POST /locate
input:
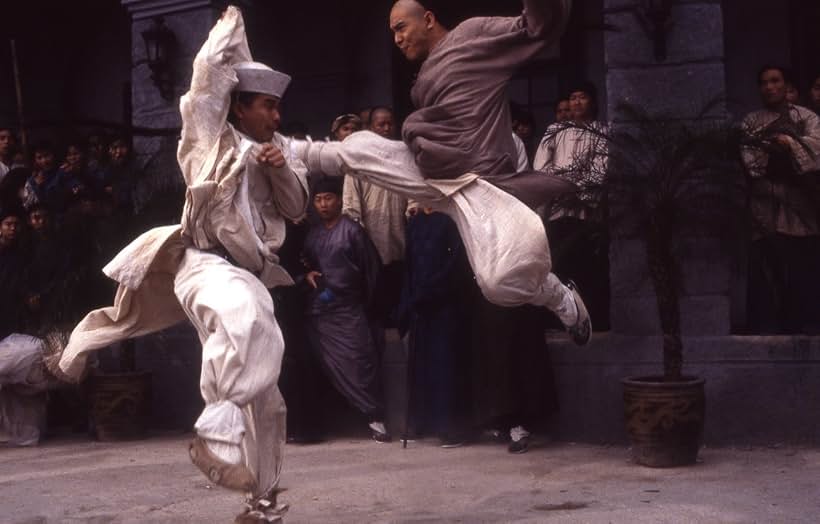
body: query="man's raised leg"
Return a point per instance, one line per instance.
(504, 239)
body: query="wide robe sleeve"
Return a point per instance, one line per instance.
(288, 184)
(204, 108)
(352, 199)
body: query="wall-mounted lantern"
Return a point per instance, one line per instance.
(159, 44)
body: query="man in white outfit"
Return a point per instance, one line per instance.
(458, 155)
(216, 268)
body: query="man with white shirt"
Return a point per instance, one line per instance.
(523, 163)
(216, 268)
(570, 150)
(382, 213)
(576, 151)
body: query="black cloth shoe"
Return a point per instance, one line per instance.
(519, 446)
(519, 440)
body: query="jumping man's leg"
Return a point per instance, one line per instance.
(504, 239)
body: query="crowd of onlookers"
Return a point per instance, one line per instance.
(474, 365)
(365, 260)
(64, 211)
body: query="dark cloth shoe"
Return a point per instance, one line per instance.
(519, 446)
(519, 440)
(231, 476)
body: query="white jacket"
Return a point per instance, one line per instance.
(231, 203)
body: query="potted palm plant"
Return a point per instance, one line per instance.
(119, 398)
(667, 181)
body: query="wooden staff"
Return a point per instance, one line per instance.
(19, 89)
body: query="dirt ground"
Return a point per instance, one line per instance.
(357, 480)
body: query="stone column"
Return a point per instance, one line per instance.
(173, 357)
(189, 21)
(692, 75)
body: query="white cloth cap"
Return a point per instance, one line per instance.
(255, 77)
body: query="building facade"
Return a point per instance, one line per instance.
(341, 57)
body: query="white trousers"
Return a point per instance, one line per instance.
(242, 348)
(22, 405)
(505, 240)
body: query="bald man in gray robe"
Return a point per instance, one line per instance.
(458, 155)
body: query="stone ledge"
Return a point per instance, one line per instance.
(759, 390)
(701, 315)
(610, 348)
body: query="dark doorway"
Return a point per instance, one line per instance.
(74, 61)
(805, 22)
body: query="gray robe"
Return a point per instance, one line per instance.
(463, 123)
(338, 326)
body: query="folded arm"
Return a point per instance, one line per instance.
(290, 191)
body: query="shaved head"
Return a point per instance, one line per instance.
(416, 30)
(410, 7)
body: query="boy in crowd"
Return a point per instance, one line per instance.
(344, 273)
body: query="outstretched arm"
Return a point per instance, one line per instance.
(204, 108)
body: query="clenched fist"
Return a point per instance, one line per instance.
(272, 156)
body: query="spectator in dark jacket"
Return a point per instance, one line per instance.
(12, 272)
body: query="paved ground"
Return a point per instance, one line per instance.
(362, 481)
